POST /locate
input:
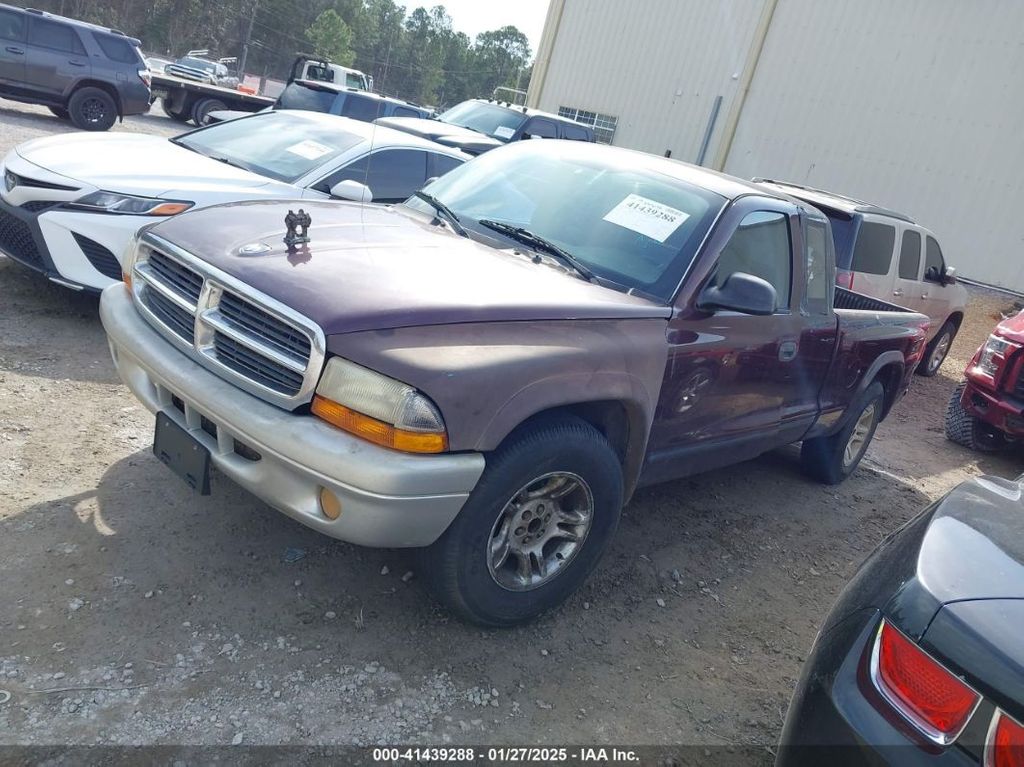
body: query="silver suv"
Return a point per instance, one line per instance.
(81, 72)
(886, 255)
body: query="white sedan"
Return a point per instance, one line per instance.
(70, 204)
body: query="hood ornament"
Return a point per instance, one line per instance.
(254, 249)
(294, 222)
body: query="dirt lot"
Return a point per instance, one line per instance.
(133, 612)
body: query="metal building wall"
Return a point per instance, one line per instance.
(657, 65)
(916, 105)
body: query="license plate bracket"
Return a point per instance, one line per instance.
(185, 455)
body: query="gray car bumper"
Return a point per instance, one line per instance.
(388, 499)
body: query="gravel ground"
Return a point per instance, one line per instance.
(134, 613)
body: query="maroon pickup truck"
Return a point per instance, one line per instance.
(489, 370)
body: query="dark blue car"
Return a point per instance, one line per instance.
(921, 660)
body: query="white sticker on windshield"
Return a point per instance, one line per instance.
(649, 218)
(503, 131)
(309, 149)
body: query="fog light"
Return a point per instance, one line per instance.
(330, 504)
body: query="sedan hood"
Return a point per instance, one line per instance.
(136, 164)
(376, 268)
(443, 133)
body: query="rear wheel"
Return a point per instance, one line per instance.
(203, 107)
(534, 527)
(936, 351)
(92, 109)
(60, 112)
(968, 430)
(832, 459)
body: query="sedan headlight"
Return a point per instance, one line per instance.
(379, 409)
(112, 202)
(994, 355)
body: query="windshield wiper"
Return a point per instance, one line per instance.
(537, 242)
(443, 211)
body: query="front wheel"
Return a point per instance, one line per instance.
(534, 527)
(832, 459)
(935, 353)
(969, 431)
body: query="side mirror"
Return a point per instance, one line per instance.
(352, 190)
(949, 276)
(741, 292)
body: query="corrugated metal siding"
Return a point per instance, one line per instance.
(656, 65)
(914, 105)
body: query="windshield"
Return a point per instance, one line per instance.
(496, 121)
(297, 95)
(613, 211)
(282, 145)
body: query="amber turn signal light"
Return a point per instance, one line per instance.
(378, 432)
(169, 209)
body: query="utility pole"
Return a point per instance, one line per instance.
(248, 38)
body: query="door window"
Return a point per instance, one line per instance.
(934, 265)
(443, 163)
(59, 37)
(362, 108)
(873, 252)
(406, 112)
(12, 25)
(760, 246)
(575, 132)
(541, 129)
(392, 174)
(819, 279)
(910, 255)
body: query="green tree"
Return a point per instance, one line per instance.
(331, 38)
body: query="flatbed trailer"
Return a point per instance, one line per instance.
(191, 101)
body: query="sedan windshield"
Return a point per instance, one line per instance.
(629, 219)
(282, 145)
(496, 121)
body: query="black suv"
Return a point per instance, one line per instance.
(81, 72)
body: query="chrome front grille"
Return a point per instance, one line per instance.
(248, 338)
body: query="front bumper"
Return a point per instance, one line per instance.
(388, 499)
(1000, 411)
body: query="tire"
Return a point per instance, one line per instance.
(201, 111)
(825, 458)
(60, 112)
(92, 109)
(937, 350)
(565, 465)
(968, 430)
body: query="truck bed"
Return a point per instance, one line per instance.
(848, 299)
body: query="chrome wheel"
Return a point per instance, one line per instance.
(939, 352)
(540, 530)
(859, 437)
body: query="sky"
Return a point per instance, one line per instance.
(476, 16)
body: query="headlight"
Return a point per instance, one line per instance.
(379, 409)
(994, 355)
(131, 255)
(112, 202)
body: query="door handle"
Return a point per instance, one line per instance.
(897, 292)
(787, 351)
(12, 49)
(75, 63)
(924, 295)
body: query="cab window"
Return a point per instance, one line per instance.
(910, 255)
(819, 279)
(760, 246)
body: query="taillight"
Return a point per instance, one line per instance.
(844, 279)
(1004, 746)
(146, 76)
(934, 700)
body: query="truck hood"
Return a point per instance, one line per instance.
(377, 268)
(443, 133)
(144, 165)
(1012, 328)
